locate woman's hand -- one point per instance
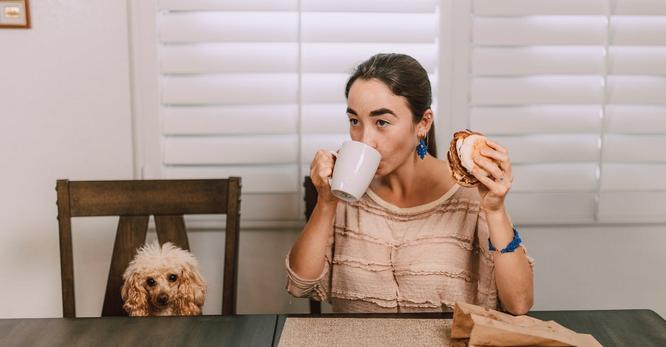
(493, 170)
(321, 169)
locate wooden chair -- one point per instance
(134, 202)
(310, 197)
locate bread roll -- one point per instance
(465, 145)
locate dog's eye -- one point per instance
(151, 282)
(173, 278)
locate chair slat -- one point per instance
(172, 229)
(148, 197)
(130, 236)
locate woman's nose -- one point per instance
(369, 139)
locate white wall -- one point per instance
(605, 267)
(64, 113)
(65, 96)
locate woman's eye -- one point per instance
(151, 282)
(353, 121)
(382, 123)
(173, 278)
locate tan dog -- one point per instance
(163, 281)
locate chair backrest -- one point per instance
(134, 202)
(310, 201)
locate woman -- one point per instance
(416, 241)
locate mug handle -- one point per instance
(330, 179)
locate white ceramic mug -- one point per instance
(355, 166)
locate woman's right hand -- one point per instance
(321, 169)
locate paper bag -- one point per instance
(486, 327)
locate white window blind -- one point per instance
(254, 88)
(576, 89)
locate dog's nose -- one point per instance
(162, 299)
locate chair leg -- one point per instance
(315, 307)
(66, 256)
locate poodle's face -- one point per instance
(162, 288)
(163, 281)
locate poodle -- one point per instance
(163, 281)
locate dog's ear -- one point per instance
(135, 296)
(192, 290)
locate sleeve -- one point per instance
(318, 288)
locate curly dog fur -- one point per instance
(163, 281)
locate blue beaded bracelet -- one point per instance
(511, 246)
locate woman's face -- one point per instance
(383, 120)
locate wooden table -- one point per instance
(610, 328)
(251, 330)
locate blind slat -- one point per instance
(230, 120)
(329, 88)
(538, 60)
(523, 120)
(359, 27)
(554, 177)
(537, 90)
(230, 89)
(398, 6)
(335, 57)
(211, 58)
(567, 7)
(636, 119)
(642, 31)
(187, 27)
(312, 143)
(641, 7)
(539, 30)
(633, 177)
(551, 208)
(539, 7)
(582, 60)
(324, 118)
(634, 148)
(229, 5)
(637, 89)
(637, 207)
(539, 148)
(639, 60)
(277, 149)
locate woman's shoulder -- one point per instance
(468, 194)
(443, 175)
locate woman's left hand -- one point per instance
(493, 170)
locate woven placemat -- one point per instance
(365, 332)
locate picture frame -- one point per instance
(14, 14)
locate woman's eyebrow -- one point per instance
(374, 113)
(382, 111)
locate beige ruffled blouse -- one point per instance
(383, 258)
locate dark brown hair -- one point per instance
(405, 77)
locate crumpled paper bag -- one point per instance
(485, 327)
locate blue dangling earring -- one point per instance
(422, 149)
